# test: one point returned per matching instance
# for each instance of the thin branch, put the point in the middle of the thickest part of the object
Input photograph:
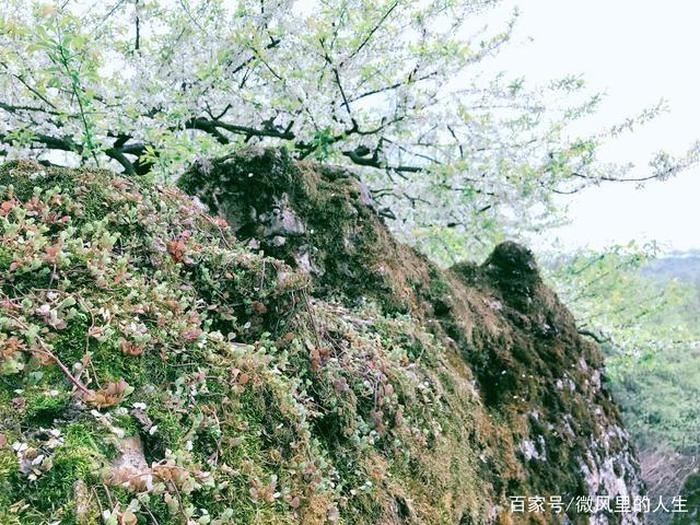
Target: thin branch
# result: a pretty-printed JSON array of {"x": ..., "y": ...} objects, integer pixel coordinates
[
  {"x": 137, "y": 41},
  {"x": 614, "y": 179},
  {"x": 409, "y": 80},
  {"x": 211, "y": 126},
  {"x": 34, "y": 109},
  {"x": 57, "y": 143},
  {"x": 47, "y": 350},
  {"x": 29, "y": 87},
  {"x": 369, "y": 35}
]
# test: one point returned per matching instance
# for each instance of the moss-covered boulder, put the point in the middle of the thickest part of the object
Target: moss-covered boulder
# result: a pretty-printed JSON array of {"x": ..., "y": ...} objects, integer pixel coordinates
[{"x": 279, "y": 358}]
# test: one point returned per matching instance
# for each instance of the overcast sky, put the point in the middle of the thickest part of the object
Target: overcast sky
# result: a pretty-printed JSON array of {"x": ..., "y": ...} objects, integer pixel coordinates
[{"x": 637, "y": 51}]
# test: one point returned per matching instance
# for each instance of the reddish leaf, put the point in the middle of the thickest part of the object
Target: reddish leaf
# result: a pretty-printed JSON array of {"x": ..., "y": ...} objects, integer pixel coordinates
[
  {"x": 107, "y": 396},
  {"x": 176, "y": 249},
  {"x": 130, "y": 348}
]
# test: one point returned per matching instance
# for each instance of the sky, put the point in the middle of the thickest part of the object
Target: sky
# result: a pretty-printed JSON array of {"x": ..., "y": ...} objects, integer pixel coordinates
[{"x": 637, "y": 52}]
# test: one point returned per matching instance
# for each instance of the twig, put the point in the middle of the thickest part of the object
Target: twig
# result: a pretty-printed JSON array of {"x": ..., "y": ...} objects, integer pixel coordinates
[{"x": 54, "y": 358}]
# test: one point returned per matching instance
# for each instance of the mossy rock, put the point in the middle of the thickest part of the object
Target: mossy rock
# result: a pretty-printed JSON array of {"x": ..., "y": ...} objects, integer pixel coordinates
[{"x": 163, "y": 365}]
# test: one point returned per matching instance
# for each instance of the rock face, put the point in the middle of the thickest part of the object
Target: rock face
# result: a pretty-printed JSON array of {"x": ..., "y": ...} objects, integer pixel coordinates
[
  {"x": 280, "y": 358},
  {"x": 540, "y": 383}
]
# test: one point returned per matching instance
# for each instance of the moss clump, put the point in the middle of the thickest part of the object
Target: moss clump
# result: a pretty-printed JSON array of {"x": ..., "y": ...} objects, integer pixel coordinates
[{"x": 42, "y": 407}]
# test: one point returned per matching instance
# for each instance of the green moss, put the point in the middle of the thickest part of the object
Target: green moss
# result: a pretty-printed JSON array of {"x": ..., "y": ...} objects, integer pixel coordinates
[
  {"x": 43, "y": 408},
  {"x": 70, "y": 464},
  {"x": 86, "y": 436},
  {"x": 24, "y": 177},
  {"x": 9, "y": 471},
  {"x": 53, "y": 493},
  {"x": 171, "y": 429}
]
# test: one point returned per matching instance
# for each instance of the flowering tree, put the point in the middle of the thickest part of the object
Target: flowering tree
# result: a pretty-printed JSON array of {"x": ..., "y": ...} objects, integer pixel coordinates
[{"x": 397, "y": 88}]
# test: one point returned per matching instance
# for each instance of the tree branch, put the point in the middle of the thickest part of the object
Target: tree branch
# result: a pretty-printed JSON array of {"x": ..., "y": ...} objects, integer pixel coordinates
[
  {"x": 369, "y": 35},
  {"x": 598, "y": 338}
]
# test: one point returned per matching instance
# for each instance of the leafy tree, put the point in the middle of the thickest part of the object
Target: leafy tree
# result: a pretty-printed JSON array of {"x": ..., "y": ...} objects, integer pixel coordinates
[
  {"x": 618, "y": 305},
  {"x": 646, "y": 322},
  {"x": 398, "y": 88}
]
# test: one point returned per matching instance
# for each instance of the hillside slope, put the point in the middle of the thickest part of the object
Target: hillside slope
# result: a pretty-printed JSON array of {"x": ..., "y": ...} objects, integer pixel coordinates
[{"x": 295, "y": 365}]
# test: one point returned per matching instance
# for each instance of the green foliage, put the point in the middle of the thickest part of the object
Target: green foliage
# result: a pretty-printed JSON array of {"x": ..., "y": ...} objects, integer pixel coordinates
[
  {"x": 659, "y": 396},
  {"x": 647, "y": 325},
  {"x": 633, "y": 313},
  {"x": 691, "y": 493}
]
